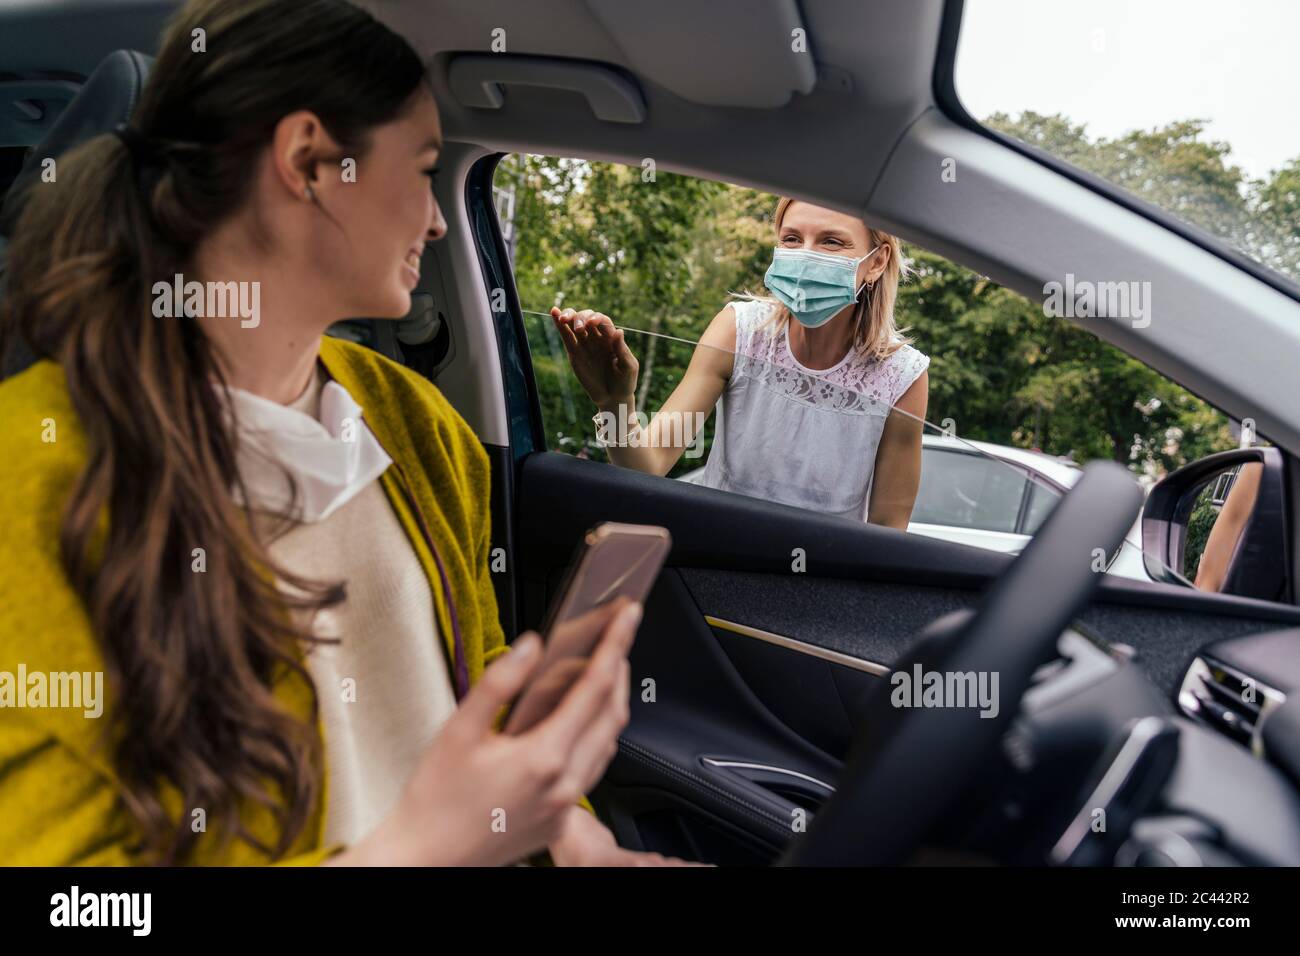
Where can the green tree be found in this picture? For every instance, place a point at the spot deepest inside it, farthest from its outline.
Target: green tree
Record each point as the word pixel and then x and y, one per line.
pixel 660 255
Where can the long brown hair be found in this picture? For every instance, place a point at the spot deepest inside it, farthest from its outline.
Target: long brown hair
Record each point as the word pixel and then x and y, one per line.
pixel 876 334
pixel 191 657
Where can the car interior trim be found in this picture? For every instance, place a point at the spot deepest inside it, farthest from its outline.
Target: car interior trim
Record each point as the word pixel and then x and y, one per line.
pixel 746 765
pixel 789 643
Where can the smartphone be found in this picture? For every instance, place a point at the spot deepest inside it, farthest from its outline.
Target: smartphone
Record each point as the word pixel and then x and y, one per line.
pixel 613 560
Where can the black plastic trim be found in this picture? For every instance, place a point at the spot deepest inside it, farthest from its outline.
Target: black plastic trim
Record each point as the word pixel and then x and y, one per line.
pixel 503 536
pixel 714 528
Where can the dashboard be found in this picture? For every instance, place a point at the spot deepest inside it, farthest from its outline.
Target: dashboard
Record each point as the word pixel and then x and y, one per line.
pixel 1102 768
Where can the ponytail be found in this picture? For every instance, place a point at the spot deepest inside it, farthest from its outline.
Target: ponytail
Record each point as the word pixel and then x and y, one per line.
pixel 191 658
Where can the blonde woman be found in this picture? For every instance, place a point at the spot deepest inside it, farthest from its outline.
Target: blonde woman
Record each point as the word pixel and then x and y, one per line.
pixel 820 399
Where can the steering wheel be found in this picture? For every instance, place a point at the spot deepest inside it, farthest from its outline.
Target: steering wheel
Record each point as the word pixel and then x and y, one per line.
pixel 909 767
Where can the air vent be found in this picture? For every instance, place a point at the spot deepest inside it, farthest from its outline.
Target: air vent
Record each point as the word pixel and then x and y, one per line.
pixel 1232 702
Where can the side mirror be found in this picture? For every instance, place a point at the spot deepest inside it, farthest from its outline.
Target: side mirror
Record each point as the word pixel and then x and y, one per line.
pixel 1220 524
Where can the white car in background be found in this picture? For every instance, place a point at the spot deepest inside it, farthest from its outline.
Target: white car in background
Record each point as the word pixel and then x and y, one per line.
pixel 996 497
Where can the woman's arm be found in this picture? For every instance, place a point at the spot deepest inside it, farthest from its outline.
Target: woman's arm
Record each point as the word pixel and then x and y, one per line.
pixel 1212 572
pixel 898 459
pixel 607 370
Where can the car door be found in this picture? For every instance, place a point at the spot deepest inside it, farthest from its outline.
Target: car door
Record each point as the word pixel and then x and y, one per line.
pixel 768 625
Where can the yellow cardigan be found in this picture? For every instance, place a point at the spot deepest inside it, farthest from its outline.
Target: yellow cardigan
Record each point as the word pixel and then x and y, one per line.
pixel 59 800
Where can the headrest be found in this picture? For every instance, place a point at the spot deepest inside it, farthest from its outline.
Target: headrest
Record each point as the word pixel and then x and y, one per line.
pixel 108 97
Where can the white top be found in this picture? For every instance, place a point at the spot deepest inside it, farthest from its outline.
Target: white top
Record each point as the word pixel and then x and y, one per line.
pixel 799 436
pixel 386 689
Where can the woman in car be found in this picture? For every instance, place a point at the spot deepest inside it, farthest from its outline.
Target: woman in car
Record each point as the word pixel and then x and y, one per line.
pixel 273 544
pixel 820 399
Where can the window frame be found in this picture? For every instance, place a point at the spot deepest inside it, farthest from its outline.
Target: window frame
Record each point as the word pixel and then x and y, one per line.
pixel 1037 478
pixel 518 383
pixel 523 400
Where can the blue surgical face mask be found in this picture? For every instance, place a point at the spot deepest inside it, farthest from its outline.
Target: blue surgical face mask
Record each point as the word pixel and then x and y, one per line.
pixel 814 286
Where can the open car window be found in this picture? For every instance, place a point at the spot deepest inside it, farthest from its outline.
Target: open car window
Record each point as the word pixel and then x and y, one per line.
pixel 1018 399
pixel 968 493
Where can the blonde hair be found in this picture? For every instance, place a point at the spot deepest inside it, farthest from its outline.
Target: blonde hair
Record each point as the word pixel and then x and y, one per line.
pixel 875 333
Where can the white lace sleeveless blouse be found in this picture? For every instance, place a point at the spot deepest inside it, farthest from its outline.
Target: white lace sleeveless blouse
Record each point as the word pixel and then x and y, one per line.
pixel 807 438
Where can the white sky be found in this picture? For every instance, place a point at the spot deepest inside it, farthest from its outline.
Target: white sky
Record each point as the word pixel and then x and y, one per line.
pixel 1118 65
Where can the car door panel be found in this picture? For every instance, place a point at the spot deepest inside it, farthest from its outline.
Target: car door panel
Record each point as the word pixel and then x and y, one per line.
pixel 748 674
pixel 696 726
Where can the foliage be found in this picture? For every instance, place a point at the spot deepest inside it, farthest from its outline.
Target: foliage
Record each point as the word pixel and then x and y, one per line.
pixel 660 252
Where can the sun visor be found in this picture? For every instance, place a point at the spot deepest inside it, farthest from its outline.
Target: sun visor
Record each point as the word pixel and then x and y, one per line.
pixel 751 53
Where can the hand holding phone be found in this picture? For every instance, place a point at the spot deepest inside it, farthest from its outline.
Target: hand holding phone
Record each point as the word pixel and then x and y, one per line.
pixel 615 564
pixel 557 673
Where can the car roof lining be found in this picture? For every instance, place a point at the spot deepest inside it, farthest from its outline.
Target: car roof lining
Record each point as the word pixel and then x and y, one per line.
pixel 857 72
pixel 719 75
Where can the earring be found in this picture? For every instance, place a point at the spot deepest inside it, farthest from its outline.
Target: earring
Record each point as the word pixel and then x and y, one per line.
pixel 310 194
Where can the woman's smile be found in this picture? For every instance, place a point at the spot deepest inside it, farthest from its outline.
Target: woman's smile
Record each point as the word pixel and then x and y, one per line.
pixel 411 267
